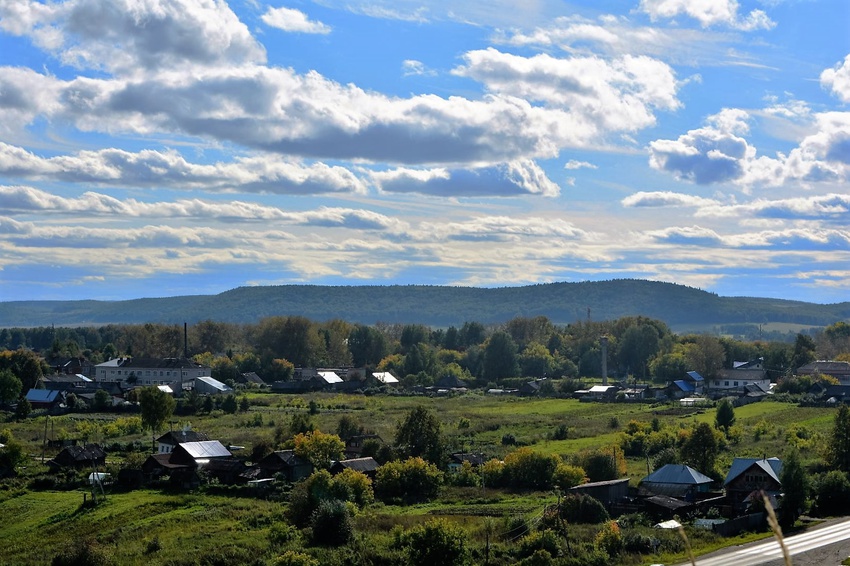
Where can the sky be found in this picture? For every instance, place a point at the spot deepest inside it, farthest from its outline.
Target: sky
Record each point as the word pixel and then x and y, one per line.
pixel 155 148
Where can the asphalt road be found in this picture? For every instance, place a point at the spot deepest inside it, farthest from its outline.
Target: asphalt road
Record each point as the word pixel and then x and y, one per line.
pixel 825 545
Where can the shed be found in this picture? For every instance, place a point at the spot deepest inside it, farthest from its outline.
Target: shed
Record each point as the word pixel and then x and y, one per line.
pixel 79 457
pixel 210 386
pixel 367 466
pixel 609 492
pixel 287 463
pixel 385 377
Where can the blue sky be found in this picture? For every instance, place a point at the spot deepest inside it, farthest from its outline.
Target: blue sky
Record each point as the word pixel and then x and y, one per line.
pixel 169 147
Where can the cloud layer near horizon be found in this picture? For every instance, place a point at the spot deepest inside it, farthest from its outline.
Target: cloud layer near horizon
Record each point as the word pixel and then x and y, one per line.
pixel 337 142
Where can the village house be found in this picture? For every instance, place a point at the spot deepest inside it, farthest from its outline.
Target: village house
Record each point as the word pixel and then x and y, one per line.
pixel 286 463
pixel 752 476
pixel 733 381
pixel 838 370
pixel 367 466
pixel 150 371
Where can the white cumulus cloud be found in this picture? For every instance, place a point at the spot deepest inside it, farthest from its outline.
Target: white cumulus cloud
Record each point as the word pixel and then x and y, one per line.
pixel 708 13
pixel 292 20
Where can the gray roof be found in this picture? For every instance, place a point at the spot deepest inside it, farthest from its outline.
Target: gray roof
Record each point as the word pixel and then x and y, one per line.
pixel 363 465
pixel 771 466
pixel 182 436
pixel 151 363
pixel 205 449
pixel 212 382
pixel 677 474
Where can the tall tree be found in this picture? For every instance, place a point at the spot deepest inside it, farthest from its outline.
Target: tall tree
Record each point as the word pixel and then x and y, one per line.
pixel 804 351
pixel 637 346
pixel 10 386
pixel 368 345
pixel 419 434
pixel 701 448
pixel 838 447
pixel 724 418
pixel 500 357
pixel 705 354
pixel 156 407
pixel 795 488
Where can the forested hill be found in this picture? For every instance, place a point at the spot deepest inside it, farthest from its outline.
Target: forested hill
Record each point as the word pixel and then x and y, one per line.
pixel 677 305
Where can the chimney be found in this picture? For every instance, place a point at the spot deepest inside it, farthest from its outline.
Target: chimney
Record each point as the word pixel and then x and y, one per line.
pixel 185 341
pixel 603 341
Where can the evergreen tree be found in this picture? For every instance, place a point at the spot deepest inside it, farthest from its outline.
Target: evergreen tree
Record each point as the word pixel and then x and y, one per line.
pixel 725 416
pixel 838 447
pixel 795 487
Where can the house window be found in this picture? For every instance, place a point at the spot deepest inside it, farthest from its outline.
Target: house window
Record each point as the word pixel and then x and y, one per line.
pixel 717 383
pixel 736 384
pixel 726 383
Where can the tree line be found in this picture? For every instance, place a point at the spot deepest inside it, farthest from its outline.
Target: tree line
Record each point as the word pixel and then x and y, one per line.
pixel 638 348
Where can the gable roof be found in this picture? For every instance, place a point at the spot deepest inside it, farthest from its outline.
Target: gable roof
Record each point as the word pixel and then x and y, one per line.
pixel 329 377
pixel 385 377
pixel 43 395
pixel 205 449
pixel 771 466
pixel 214 383
pixel 362 465
pixel 694 376
pixel 677 474
pixel 175 437
pixel 283 457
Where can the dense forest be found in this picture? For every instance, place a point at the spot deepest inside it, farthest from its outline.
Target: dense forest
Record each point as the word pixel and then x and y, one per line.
pixel 680 307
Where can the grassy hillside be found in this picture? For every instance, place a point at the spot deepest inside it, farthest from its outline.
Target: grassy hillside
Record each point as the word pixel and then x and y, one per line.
pixel 218 525
pixel 563 303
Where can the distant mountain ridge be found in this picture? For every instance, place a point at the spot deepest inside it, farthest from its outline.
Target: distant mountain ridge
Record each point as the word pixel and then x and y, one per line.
pixel 438 306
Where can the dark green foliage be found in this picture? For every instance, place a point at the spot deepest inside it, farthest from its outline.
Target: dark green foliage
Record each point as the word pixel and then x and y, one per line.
pixel 410 481
pixel 838 445
pixel 546 540
pixel 419 435
pixel 156 407
pixel 601 465
pixel 725 416
pixel 368 345
pixel 23 409
pixel 582 508
pixel 300 424
pixel 348 427
pixel 795 487
pixel 87 553
pixel 436 543
pixel 331 524
pixel 230 405
pixel 500 357
pixel 10 386
pixel 508 439
pixel 637 346
pixel 527 469
pixel 832 493
pixel 701 448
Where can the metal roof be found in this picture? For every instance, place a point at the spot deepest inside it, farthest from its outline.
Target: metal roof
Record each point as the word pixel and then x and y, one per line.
pixel 214 383
pixel 677 474
pixel 42 395
pixel 771 466
pixel 329 377
pixel 695 376
pixel 385 377
pixel 205 449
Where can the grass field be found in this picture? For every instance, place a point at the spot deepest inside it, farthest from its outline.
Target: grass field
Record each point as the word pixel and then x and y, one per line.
pixel 153 527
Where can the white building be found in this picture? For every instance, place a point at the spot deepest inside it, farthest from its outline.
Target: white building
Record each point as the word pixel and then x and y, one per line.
pixel 150 371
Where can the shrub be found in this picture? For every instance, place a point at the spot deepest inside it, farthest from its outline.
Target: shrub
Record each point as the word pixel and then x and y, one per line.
pixel 492 473
pixel 582 508
pixel 89 553
pixel 331 523
pixel 527 469
pixel 832 493
pixel 562 431
pixel 545 540
pixel 609 539
pixel 292 558
pixel 508 440
pixel 409 481
pixel 639 543
pixel 567 476
pixel 281 534
pixel 437 543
